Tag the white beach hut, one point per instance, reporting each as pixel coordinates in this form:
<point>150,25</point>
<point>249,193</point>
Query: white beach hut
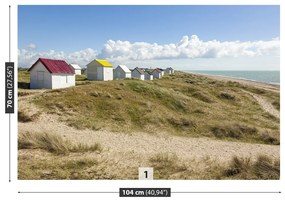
<point>122,72</point>
<point>100,70</point>
<point>76,68</point>
<point>51,74</point>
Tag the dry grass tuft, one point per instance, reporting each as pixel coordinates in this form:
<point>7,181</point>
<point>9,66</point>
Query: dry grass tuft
<point>53,143</point>
<point>227,96</point>
<point>244,168</point>
<point>203,97</point>
<point>58,167</point>
<point>276,104</point>
<point>245,133</point>
<point>235,131</point>
<point>181,123</point>
<point>169,166</point>
<point>24,93</point>
<point>266,137</point>
<point>166,165</point>
<point>24,117</point>
<point>266,168</point>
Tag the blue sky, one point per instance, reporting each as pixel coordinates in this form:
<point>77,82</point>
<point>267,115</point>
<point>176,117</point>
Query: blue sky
<point>71,29</point>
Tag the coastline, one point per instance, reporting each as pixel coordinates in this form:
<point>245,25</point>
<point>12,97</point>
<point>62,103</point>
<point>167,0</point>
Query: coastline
<point>257,84</point>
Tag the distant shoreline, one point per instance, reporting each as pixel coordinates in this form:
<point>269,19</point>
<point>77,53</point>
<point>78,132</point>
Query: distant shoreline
<point>259,84</point>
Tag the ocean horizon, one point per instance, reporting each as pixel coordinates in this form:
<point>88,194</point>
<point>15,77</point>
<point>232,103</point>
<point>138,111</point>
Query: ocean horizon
<point>272,77</point>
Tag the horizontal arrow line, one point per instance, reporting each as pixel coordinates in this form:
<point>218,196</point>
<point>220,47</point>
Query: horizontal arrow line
<point>226,192</point>
<point>67,192</point>
<point>175,192</point>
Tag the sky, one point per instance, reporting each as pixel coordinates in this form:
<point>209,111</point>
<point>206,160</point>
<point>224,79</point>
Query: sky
<point>183,37</point>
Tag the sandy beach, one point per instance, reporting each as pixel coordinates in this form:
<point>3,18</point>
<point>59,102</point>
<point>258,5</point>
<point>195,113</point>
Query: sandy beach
<point>257,84</point>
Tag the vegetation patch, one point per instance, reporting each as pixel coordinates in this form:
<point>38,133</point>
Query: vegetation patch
<point>181,123</point>
<point>276,104</point>
<point>23,78</point>
<point>53,143</point>
<point>267,138</point>
<point>244,168</point>
<point>165,165</point>
<point>227,96</point>
<point>165,97</point>
<point>24,93</point>
<point>203,97</point>
<point>245,133</point>
<point>58,167</point>
<point>169,166</point>
<point>81,77</point>
<point>24,117</point>
<point>235,131</point>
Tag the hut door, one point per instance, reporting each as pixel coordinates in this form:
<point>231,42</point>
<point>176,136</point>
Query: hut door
<point>40,76</point>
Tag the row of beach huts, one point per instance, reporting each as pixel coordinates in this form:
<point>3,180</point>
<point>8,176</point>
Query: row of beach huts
<point>53,74</point>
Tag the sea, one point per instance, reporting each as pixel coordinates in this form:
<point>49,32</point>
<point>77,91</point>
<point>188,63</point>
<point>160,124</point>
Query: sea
<point>272,77</point>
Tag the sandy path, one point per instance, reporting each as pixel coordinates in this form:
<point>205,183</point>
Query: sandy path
<point>267,106</point>
<point>147,145</point>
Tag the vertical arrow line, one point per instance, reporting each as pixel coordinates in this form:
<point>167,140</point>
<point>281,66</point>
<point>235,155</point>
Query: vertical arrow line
<point>9,114</point>
<point>9,33</point>
<point>9,147</point>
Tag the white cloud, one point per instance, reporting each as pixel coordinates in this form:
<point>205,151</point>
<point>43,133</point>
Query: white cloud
<point>27,57</point>
<point>187,48</point>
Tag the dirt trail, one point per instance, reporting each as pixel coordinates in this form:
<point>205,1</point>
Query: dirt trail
<point>118,145</point>
<point>266,105</point>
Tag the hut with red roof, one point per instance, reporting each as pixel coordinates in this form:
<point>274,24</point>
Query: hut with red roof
<point>51,74</point>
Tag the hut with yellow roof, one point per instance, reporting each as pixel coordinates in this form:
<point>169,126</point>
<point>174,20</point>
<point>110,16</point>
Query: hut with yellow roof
<point>100,70</point>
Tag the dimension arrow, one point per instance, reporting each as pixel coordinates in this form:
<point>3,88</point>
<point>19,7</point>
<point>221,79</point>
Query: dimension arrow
<point>9,113</point>
<point>174,192</point>
<point>227,192</point>
<point>68,192</point>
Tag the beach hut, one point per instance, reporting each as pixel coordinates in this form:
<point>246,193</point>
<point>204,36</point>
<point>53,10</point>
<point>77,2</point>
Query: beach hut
<point>156,73</point>
<point>122,72</point>
<point>100,70</point>
<point>169,70</point>
<point>51,74</point>
<point>76,68</point>
<point>161,71</point>
<point>148,75</point>
<point>138,73</point>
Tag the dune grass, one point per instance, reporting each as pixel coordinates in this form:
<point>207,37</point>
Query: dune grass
<point>165,165</point>
<point>41,164</point>
<point>181,104</point>
<point>244,168</point>
<point>24,116</point>
<point>53,143</point>
<point>53,167</point>
<point>23,79</point>
<point>169,166</point>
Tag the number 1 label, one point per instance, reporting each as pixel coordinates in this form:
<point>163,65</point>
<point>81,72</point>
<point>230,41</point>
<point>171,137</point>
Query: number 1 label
<point>145,173</point>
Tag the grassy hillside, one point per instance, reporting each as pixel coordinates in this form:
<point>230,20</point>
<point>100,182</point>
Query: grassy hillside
<point>180,104</point>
